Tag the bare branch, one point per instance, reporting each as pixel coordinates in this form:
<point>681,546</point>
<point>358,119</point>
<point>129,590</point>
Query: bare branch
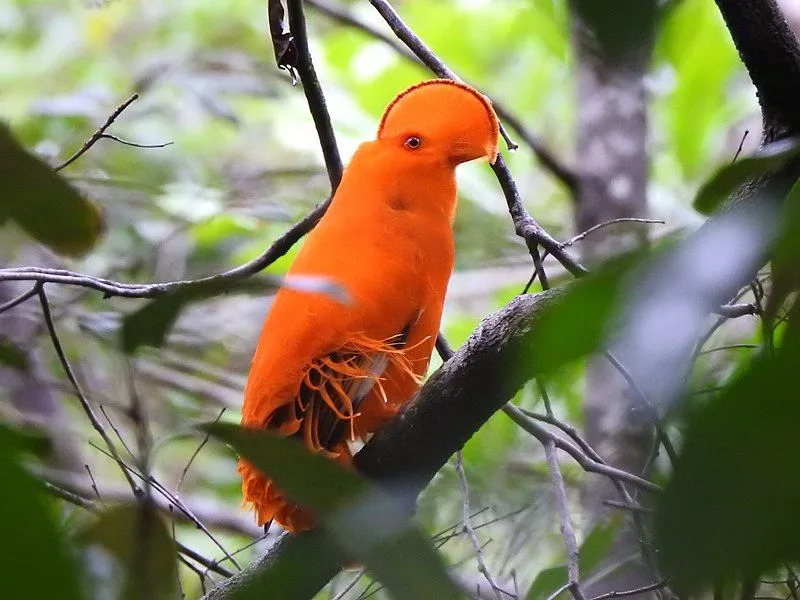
<point>573,558</point>
<point>99,133</point>
<point>153,290</point>
<point>20,299</point>
<point>634,592</point>
<point>467,525</point>
<point>87,408</point>
<point>599,226</point>
<point>90,506</point>
<point>314,95</point>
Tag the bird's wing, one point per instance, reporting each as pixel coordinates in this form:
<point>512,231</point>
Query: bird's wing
<point>333,387</point>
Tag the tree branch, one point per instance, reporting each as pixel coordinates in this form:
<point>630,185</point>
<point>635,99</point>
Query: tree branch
<point>771,54</point>
<point>314,95</point>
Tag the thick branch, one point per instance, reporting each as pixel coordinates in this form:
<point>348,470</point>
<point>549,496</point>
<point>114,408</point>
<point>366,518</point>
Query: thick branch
<point>770,52</point>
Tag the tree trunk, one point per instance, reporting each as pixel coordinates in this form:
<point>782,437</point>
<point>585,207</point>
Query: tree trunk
<point>613,173</point>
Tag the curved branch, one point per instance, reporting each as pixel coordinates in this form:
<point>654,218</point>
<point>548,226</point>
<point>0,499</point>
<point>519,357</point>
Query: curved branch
<point>771,54</point>
<point>152,290</point>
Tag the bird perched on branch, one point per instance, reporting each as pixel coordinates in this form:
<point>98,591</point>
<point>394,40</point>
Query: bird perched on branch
<point>329,373</point>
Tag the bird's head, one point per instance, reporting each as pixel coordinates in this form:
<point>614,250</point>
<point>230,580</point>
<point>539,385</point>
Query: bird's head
<point>441,119</point>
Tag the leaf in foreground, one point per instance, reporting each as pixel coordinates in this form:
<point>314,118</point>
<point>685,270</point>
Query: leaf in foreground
<point>365,524</point>
<point>42,203</point>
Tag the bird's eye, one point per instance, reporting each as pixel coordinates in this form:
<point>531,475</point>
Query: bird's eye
<point>413,143</point>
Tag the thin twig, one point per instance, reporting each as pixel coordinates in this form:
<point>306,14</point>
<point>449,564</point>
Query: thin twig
<point>62,357</point>
<point>588,464</point>
<point>640,590</point>
<point>314,94</point>
<point>115,430</point>
<point>573,557</point>
<point>108,136</point>
<point>94,483</point>
<point>20,299</point>
<point>90,506</point>
<point>594,228</point>
<point>153,290</point>
<point>645,401</point>
<point>476,546</point>
<point>197,451</point>
<point>727,347</point>
<point>99,133</point>
<point>351,584</point>
<point>741,145</point>
<point>176,501</point>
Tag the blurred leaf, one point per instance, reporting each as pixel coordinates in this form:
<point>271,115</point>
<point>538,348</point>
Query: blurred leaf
<point>730,508</point>
<point>592,552</point>
<point>42,203</point>
<point>367,525</point>
<point>579,322</point>
<point>597,544</point>
<point>702,58</point>
<point>615,37</point>
<point>36,564</point>
<point>785,257</point>
<point>150,324</point>
<point>136,538</point>
<point>728,179</point>
<point>547,582</point>
<point>304,560</point>
<point>28,439</point>
<point>12,355</point>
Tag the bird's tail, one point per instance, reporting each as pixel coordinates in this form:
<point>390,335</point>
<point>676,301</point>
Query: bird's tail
<point>325,414</point>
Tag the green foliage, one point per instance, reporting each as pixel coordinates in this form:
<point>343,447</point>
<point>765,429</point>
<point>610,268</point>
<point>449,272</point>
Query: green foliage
<point>730,507</point>
<point>151,324</point>
<point>12,355</point>
<point>366,524</point>
<point>697,48</point>
<point>36,562</point>
<point>42,203</point>
<point>728,179</point>
<point>591,554</point>
<point>140,548</point>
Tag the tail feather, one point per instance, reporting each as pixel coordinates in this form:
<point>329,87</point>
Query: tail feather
<point>323,414</point>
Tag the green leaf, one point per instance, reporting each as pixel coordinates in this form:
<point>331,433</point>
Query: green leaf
<point>42,203</point>
<point>36,563</point>
<point>579,322</point>
<point>592,552</point>
<point>728,179</point>
<point>597,544</point>
<point>150,324</point>
<point>729,510</point>
<point>142,550</point>
<point>365,523</point>
<point>12,355</point>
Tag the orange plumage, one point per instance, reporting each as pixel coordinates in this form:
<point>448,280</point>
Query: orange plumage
<point>327,372</point>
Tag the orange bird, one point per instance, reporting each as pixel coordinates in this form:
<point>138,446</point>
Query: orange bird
<point>330,373</point>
